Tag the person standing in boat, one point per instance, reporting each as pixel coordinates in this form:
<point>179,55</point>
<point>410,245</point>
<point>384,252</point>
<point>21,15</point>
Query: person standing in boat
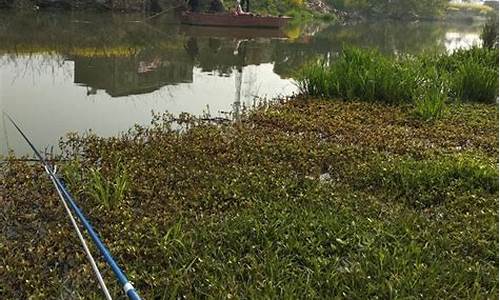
<point>245,4</point>
<point>240,10</point>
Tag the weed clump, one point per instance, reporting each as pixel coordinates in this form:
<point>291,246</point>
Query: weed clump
<point>107,190</point>
<point>430,104</point>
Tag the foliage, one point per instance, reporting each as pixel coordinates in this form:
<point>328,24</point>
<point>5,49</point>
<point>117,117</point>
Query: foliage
<point>428,182</point>
<point>297,8</point>
<point>107,190</point>
<point>300,199</point>
<point>426,80</point>
<point>473,74</point>
<point>470,8</point>
<point>109,193</point>
<point>430,104</point>
<point>489,34</point>
<point>359,74</point>
<point>473,82</point>
<point>449,63</point>
<point>393,9</point>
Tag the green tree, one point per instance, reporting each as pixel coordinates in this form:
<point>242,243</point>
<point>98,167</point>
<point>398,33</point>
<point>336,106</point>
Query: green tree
<point>393,8</point>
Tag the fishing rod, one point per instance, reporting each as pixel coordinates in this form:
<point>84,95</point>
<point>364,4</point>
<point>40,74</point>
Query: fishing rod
<point>128,288</point>
<point>82,240</point>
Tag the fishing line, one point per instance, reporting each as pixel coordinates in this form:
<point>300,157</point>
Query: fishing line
<point>128,288</point>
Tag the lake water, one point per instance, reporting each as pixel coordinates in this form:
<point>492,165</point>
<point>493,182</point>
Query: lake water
<point>64,72</point>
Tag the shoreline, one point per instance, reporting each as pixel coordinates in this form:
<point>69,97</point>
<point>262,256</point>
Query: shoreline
<point>379,180</point>
<point>242,192</point>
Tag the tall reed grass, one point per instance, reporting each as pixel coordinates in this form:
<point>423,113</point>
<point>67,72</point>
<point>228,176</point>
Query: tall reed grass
<point>359,74</point>
<point>473,82</point>
<point>489,34</point>
<point>427,81</point>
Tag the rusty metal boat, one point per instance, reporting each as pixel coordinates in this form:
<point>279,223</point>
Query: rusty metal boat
<point>233,20</point>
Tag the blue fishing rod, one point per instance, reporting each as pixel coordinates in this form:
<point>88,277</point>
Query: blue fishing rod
<point>128,288</point>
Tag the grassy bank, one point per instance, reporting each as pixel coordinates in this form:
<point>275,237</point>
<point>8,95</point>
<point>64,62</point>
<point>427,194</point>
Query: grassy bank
<point>427,81</point>
<point>305,199</point>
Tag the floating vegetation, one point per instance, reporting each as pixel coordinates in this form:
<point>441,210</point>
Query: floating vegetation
<point>304,198</point>
<point>429,182</point>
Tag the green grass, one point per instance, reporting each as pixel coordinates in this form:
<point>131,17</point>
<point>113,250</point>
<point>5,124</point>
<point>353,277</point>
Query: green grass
<point>425,183</point>
<point>409,208</point>
<point>430,104</point>
<point>427,80</point>
<point>489,34</point>
<point>473,82</point>
<point>107,190</point>
<point>360,74</point>
<point>110,194</point>
<point>472,74</point>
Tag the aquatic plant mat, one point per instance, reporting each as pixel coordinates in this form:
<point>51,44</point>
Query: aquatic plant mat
<point>300,199</point>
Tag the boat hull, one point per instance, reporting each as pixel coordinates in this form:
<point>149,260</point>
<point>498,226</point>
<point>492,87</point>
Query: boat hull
<point>228,20</point>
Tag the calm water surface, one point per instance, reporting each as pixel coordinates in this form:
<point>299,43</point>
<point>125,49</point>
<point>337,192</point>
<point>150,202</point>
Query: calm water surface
<point>64,73</point>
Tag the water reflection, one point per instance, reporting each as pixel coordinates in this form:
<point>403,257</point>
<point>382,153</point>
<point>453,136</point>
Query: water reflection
<point>63,73</point>
<point>125,76</point>
<point>461,39</point>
